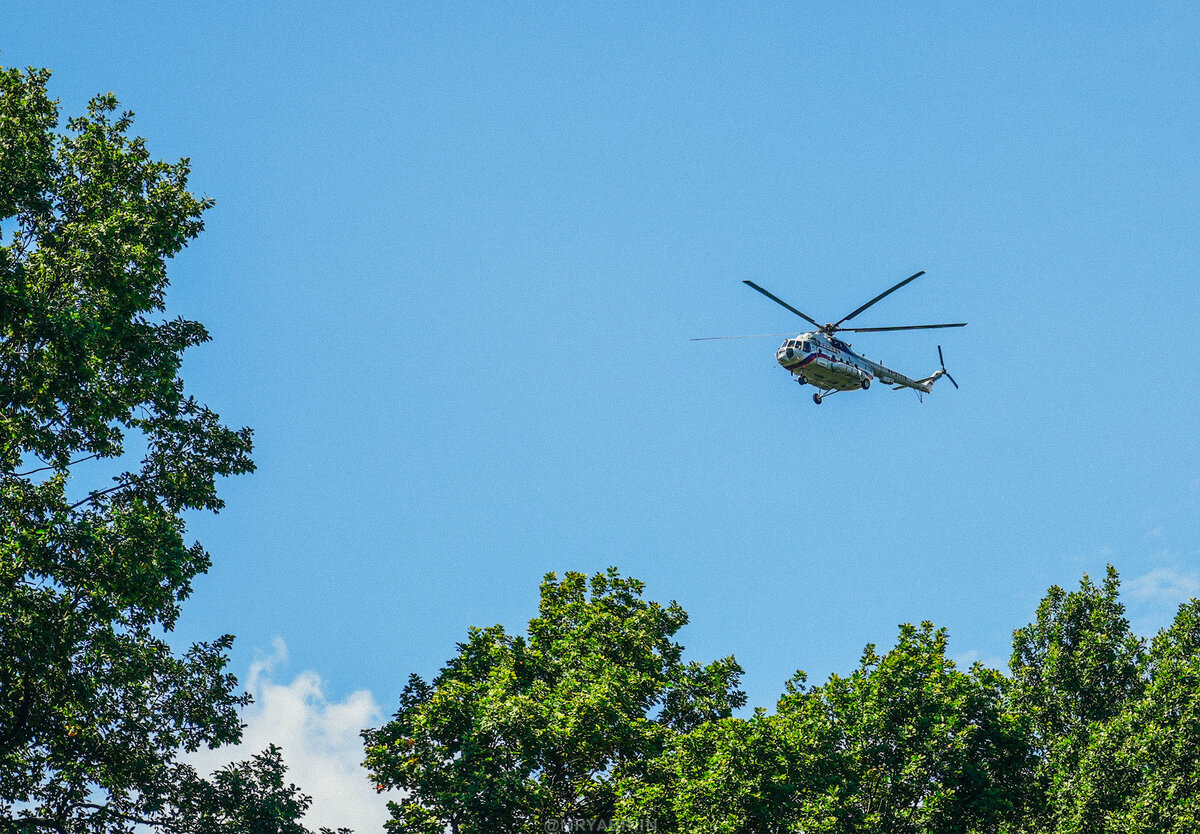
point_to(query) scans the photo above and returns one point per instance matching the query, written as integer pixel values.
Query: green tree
(1075, 670)
(906, 743)
(761, 775)
(94, 705)
(1163, 749)
(517, 731)
(924, 747)
(1139, 772)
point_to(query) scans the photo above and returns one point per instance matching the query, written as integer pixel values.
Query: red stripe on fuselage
(810, 358)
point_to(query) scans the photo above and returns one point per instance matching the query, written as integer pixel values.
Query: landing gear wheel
(817, 399)
(802, 380)
(866, 383)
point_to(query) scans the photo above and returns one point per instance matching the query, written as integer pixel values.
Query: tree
(1075, 670)
(518, 731)
(924, 747)
(1139, 772)
(906, 743)
(761, 775)
(1163, 731)
(94, 704)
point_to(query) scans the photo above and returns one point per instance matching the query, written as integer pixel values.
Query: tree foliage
(94, 705)
(517, 732)
(594, 718)
(1074, 669)
(1115, 724)
(906, 743)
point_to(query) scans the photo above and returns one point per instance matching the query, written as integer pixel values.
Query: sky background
(458, 252)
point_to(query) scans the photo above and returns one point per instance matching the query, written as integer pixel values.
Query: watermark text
(570, 826)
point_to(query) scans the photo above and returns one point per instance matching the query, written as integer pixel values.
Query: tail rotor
(944, 372)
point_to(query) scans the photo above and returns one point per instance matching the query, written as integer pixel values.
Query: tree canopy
(95, 706)
(592, 722)
(517, 733)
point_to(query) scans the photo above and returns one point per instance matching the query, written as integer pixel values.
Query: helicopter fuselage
(830, 364)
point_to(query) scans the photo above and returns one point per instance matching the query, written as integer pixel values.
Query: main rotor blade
(909, 327)
(749, 336)
(880, 297)
(781, 302)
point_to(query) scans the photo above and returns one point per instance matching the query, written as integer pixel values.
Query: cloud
(1165, 586)
(320, 742)
(964, 661)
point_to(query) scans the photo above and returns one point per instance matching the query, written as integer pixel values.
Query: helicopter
(819, 358)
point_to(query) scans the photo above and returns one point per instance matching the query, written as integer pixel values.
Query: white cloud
(1165, 586)
(320, 741)
(964, 661)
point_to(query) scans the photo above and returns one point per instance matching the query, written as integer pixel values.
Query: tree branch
(92, 496)
(44, 468)
(127, 817)
(23, 824)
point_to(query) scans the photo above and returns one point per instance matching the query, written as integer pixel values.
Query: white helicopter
(821, 359)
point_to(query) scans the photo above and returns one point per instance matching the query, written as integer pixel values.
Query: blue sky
(458, 252)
